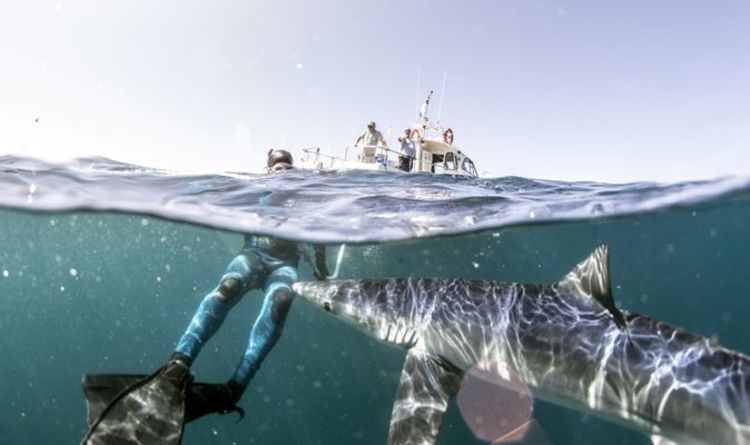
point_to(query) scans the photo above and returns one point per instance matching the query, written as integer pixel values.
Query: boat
(435, 153)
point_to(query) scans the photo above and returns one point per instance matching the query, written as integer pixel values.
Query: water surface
(102, 265)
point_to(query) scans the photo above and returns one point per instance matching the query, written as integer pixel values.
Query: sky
(596, 90)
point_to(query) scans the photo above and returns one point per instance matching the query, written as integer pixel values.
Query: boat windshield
(450, 161)
(468, 167)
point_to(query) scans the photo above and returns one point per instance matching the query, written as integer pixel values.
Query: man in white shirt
(408, 150)
(372, 137)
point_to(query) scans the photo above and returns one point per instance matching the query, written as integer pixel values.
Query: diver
(169, 398)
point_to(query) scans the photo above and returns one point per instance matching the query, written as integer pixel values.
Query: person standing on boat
(408, 151)
(266, 263)
(372, 137)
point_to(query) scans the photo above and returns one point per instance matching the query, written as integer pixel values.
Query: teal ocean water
(102, 266)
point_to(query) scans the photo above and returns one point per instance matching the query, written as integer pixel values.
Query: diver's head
(279, 160)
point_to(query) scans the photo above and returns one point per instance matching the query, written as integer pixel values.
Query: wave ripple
(351, 206)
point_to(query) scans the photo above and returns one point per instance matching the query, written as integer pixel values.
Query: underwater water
(84, 289)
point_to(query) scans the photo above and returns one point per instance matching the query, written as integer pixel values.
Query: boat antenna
(442, 94)
(416, 95)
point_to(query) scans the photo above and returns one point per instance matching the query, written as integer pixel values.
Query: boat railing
(369, 153)
(315, 152)
(313, 156)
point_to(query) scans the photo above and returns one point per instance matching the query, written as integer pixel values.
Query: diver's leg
(269, 324)
(237, 279)
(167, 399)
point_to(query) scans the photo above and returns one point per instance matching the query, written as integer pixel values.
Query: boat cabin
(435, 153)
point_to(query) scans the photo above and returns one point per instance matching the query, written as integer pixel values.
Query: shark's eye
(327, 306)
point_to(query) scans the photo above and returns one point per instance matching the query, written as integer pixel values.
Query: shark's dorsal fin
(591, 279)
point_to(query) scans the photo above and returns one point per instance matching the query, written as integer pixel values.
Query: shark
(568, 341)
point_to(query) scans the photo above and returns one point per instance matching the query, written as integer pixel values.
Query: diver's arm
(320, 269)
(382, 139)
(315, 255)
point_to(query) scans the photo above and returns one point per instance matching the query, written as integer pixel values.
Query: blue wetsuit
(263, 263)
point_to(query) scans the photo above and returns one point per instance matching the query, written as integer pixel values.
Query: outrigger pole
(423, 109)
(442, 95)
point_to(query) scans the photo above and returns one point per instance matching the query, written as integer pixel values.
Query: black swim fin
(125, 409)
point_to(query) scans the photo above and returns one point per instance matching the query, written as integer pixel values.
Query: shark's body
(567, 341)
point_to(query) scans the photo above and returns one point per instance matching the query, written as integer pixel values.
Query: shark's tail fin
(590, 279)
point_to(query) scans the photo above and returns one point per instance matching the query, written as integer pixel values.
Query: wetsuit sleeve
(315, 255)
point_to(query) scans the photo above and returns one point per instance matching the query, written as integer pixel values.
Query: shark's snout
(324, 294)
(299, 288)
(314, 291)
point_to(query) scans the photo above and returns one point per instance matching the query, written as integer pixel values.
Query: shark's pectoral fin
(657, 439)
(590, 279)
(427, 384)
